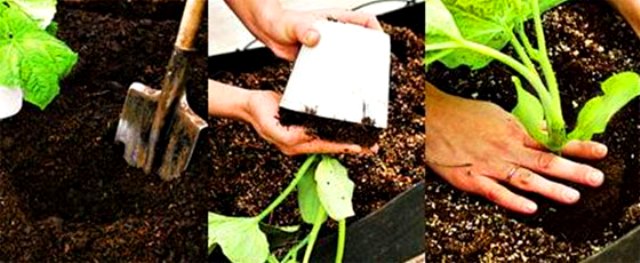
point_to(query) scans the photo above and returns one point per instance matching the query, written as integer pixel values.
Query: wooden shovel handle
(189, 24)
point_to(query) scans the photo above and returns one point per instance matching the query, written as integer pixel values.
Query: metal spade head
(178, 140)
(158, 128)
(344, 77)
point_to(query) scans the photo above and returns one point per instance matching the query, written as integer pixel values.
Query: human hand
(262, 108)
(477, 147)
(290, 28)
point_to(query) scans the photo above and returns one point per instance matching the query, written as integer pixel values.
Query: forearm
(257, 15)
(228, 101)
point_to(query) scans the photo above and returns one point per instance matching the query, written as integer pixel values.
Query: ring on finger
(512, 172)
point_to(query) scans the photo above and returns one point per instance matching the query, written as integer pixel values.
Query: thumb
(308, 36)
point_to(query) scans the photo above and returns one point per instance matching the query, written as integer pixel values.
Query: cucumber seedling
(32, 59)
(324, 190)
(471, 33)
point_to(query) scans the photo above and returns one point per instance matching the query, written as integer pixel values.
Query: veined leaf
(335, 189)
(239, 237)
(618, 90)
(486, 22)
(32, 59)
(440, 28)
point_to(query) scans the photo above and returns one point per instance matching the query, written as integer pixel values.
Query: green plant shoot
(471, 33)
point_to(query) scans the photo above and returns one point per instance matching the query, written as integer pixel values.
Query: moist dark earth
(588, 42)
(66, 193)
(248, 173)
(364, 133)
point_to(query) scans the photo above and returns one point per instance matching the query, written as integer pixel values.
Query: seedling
(324, 190)
(32, 59)
(471, 33)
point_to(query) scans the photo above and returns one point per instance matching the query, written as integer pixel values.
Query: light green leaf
(31, 58)
(335, 189)
(40, 10)
(308, 200)
(618, 90)
(486, 22)
(272, 259)
(529, 112)
(52, 29)
(239, 237)
(440, 28)
(549, 4)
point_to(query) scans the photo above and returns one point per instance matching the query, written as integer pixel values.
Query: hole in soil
(84, 178)
(6, 4)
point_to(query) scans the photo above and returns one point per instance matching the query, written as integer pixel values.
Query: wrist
(228, 101)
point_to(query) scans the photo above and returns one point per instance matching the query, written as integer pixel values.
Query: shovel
(158, 128)
(344, 77)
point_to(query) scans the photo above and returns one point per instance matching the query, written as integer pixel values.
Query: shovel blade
(181, 141)
(176, 145)
(135, 123)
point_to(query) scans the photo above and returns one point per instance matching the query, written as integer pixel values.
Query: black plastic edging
(623, 250)
(394, 233)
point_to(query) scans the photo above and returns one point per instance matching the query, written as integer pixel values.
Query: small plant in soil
(470, 33)
(32, 59)
(324, 190)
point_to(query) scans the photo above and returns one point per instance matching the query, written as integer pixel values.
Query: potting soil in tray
(66, 193)
(588, 42)
(248, 172)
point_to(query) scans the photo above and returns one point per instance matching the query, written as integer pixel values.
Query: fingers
(308, 36)
(552, 165)
(585, 149)
(287, 137)
(581, 149)
(321, 146)
(357, 18)
(527, 180)
(294, 140)
(500, 195)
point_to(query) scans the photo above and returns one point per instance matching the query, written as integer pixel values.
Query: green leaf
(618, 90)
(486, 22)
(239, 237)
(549, 4)
(308, 200)
(31, 58)
(440, 28)
(272, 259)
(41, 11)
(529, 112)
(52, 29)
(335, 189)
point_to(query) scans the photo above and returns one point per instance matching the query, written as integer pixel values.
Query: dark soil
(66, 193)
(248, 173)
(363, 134)
(588, 43)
